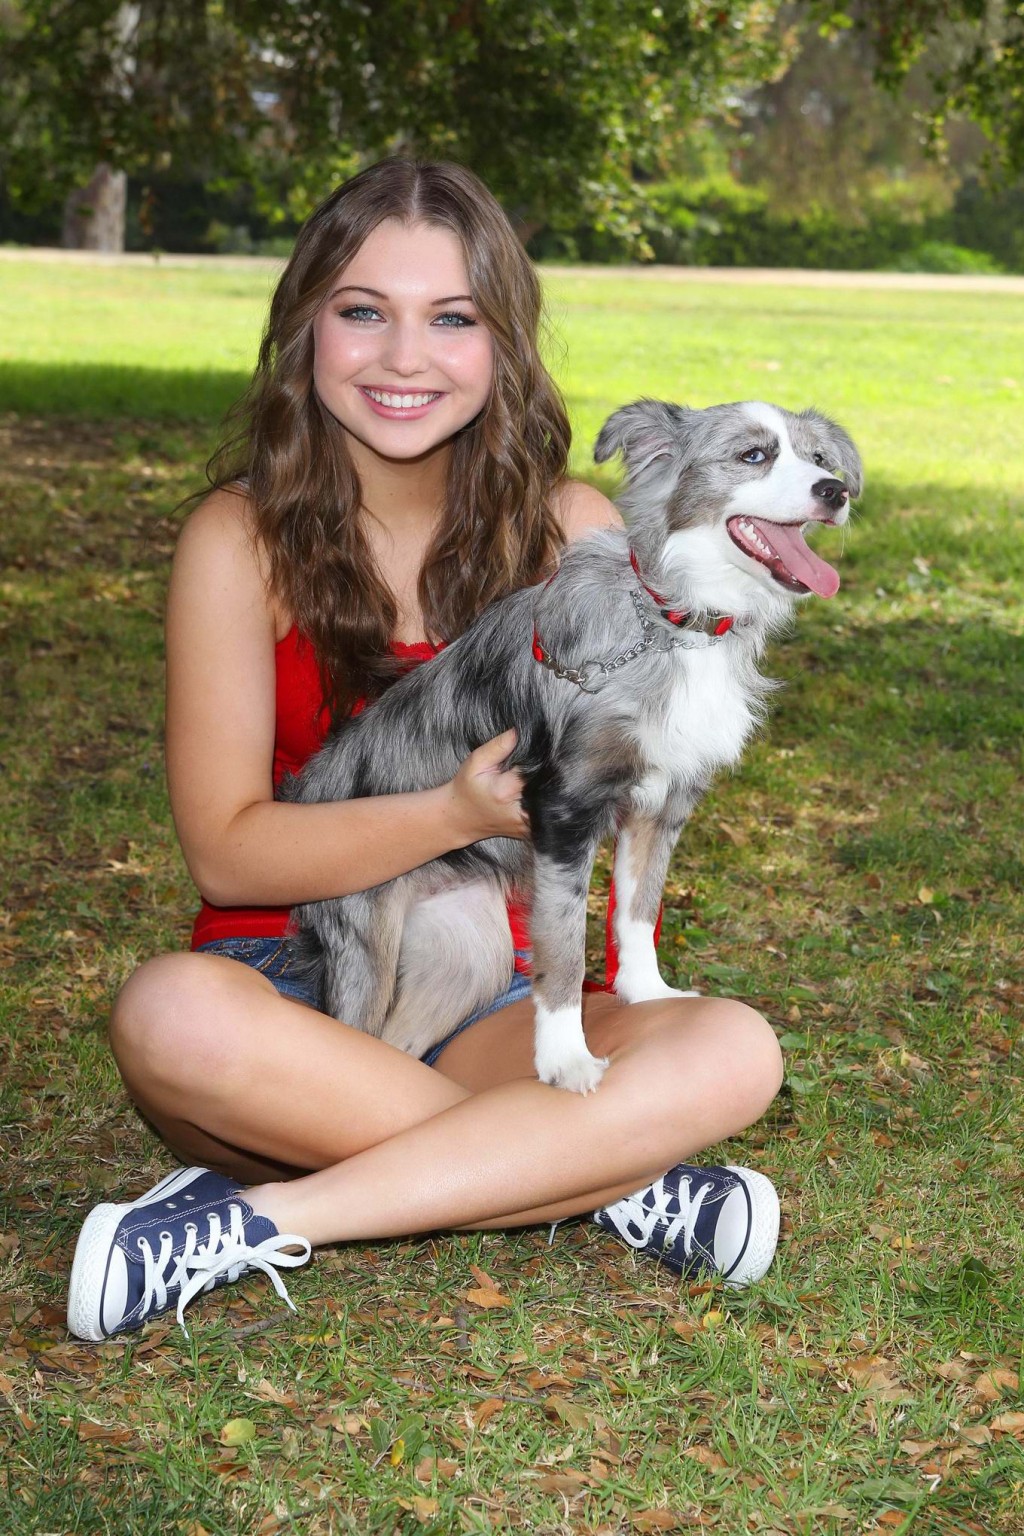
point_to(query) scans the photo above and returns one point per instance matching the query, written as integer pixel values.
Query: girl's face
(402, 359)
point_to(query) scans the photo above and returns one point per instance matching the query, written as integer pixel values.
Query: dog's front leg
(559, 935)
(642, 855)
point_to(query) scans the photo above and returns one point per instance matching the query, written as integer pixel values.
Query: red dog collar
(675, 616)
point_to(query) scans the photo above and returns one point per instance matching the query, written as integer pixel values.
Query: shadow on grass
(911, 683)
(105, 390)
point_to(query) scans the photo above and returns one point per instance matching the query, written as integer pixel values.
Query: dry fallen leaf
(484, 1297)
(487, 1409)
(874, 1374)
(427, 1468)
(571, 1414)
(566, 1482)
(991, 1385)
(706, 1456)
(1008, 1424)
(420, 1506)
(89, 1430)
(658, 1520)
(952, 1370)
(342, 1424)
(539, 1381)
(915, 1449)
(269, 1393)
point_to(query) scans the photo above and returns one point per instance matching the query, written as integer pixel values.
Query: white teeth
(749, 531)
(400, 402)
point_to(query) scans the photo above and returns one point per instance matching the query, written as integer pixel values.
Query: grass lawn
(858, 879)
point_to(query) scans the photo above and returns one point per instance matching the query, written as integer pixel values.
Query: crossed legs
(342, 1137)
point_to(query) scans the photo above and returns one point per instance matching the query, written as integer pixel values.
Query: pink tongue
(798, 558)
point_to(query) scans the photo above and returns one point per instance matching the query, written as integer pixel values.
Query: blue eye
(754, 456)
(453, 320)
(361, 313)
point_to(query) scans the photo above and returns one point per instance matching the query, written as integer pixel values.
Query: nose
(833, 493)
(404, 352)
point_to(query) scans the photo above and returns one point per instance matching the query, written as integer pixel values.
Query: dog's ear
(642, 432)
(840, 450)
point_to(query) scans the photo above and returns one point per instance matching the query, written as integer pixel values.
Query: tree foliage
(976, 66)
(562, 107)
(555, 105)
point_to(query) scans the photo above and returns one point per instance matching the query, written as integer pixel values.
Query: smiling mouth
(394, 401)
(781, 549)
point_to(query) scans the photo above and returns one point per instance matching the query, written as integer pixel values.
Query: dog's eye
(754, 456)
(819, 459)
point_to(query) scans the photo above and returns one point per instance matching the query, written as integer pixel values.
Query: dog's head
(741, 482)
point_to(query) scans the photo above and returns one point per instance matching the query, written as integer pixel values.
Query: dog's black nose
(832, 492)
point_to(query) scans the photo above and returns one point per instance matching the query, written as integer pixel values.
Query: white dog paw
(578, 1072)
(652, 991)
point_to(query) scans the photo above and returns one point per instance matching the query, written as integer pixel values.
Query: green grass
(858, 879)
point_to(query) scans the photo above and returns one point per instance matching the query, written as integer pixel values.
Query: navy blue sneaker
(188, 1234)
(714, 1221)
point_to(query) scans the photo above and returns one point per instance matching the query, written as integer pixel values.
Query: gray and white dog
(631, 677)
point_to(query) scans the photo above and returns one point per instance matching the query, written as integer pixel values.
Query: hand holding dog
(486, 798)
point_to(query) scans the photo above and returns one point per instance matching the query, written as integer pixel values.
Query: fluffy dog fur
(715, 501)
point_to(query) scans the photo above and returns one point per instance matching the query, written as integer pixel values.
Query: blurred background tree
(217, 124)
(553, 105)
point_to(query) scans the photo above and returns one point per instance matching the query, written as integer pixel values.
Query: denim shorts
(273, 959)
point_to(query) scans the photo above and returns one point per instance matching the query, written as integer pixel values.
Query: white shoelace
(226, 1252)
(635, 1221)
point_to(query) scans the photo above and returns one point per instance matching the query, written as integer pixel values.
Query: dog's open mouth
(781, 548)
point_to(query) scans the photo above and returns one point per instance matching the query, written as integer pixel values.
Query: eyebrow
(455, 298)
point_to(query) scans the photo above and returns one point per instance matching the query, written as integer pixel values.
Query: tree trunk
(94, 215)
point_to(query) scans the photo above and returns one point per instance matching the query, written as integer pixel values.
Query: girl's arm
(242, 847)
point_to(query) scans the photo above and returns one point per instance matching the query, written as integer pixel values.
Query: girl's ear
(642, 432)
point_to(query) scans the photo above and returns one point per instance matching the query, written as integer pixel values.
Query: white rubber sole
(89, 1269)
(764, 1228)
(92, 1254)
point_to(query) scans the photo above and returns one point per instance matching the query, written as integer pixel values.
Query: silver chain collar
(593, 675)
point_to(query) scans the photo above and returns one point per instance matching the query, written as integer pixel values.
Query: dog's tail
(307, 957)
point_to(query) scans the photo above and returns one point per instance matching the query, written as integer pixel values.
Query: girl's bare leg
(234, 1076)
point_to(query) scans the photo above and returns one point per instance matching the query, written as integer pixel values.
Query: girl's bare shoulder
(223, 519)
(218, 560)
(582, 509)
(219, 534)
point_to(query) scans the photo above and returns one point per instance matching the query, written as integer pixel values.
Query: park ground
(858, 880)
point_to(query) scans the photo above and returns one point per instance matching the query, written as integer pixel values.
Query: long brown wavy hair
(497, 529)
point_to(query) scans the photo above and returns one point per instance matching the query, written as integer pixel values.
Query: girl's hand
(486, 799)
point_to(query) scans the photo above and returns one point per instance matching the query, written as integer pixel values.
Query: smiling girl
(402, 463)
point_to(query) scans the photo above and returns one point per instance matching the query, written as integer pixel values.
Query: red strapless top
(301, 723)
